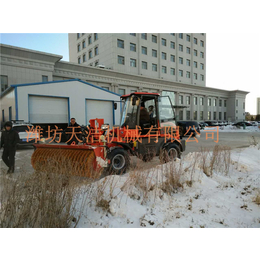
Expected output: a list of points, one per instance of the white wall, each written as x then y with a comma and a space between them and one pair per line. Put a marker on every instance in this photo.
75, 90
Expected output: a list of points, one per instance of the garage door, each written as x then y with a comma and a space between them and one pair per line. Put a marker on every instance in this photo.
48, 110
100, 109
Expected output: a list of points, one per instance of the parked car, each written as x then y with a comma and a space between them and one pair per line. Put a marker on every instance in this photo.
254, 123
212, 123
187, 128
202, 125
242, 124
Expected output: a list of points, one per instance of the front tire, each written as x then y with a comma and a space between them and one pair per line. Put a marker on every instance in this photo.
170, 153
119, 161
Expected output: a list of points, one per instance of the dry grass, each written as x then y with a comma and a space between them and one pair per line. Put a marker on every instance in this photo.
43, 199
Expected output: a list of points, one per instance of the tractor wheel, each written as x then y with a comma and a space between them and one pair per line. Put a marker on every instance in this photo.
170, 153
119, 161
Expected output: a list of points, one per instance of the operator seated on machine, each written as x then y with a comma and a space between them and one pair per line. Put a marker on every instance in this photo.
144, 119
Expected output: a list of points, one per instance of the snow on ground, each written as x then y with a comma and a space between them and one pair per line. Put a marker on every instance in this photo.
141, 198
230, 128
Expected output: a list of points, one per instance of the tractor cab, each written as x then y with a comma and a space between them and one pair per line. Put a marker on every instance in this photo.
147, 110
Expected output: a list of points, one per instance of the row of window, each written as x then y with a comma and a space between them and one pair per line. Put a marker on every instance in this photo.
91, 54
164, 41
201, 101
121, 44
195, 115
89, 37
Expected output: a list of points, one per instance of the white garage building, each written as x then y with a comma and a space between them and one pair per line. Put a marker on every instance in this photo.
57, 101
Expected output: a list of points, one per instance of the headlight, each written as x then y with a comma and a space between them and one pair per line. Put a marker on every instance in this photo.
105, 127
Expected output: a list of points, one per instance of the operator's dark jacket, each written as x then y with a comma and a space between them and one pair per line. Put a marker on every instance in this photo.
9, 139
69, 131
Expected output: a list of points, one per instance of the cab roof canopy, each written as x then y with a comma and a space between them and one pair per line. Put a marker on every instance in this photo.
140, 94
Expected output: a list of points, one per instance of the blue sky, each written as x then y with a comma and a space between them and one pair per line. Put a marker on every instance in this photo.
232, 59
55, 43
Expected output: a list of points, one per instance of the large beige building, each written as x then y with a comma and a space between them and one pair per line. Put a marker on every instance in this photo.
177, 57
19, 66
258, 106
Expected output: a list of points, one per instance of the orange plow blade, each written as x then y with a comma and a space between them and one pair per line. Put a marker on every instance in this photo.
65, 159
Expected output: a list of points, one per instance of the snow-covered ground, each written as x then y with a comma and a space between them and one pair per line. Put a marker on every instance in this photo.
230, 128
225, 198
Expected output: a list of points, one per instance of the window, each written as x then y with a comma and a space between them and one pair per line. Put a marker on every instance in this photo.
154, 38
90, 55
154, 67
195, 64
172, 71
144, 65
154, 53
121, 60
181, 35
201, 77
180, 47
244, 105
188, 38
163, 42
201, 115
121, 91
172, 58
188, 50
144, 36
44, 78
120, 44
201, 101
220, 103
78, 47
214, 115
180, 60
188, 62
4, 83
173, 45
133, 34
195, 101
173, 34
202, 43
132, 62
225, 103
195, 113
188, 100
163, 55
195, 76
209, 115
180, 100
95, 36
144, 50
195, 41
181, 73
187, 115
89, 40
195, 53
215, 102
236, 103
188, 74
79, 60
202, 54
132, 47
201, 66
84, 58
181, 115
96, 51
220, 115
78, 35
83, 44
209, 102
164, 69
225, 115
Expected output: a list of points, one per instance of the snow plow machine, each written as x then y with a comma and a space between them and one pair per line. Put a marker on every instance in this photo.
147, 129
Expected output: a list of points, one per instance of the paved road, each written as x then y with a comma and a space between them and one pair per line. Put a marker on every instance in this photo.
233, 140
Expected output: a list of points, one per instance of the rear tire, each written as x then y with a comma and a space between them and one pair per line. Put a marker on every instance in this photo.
170, 153
119, 161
